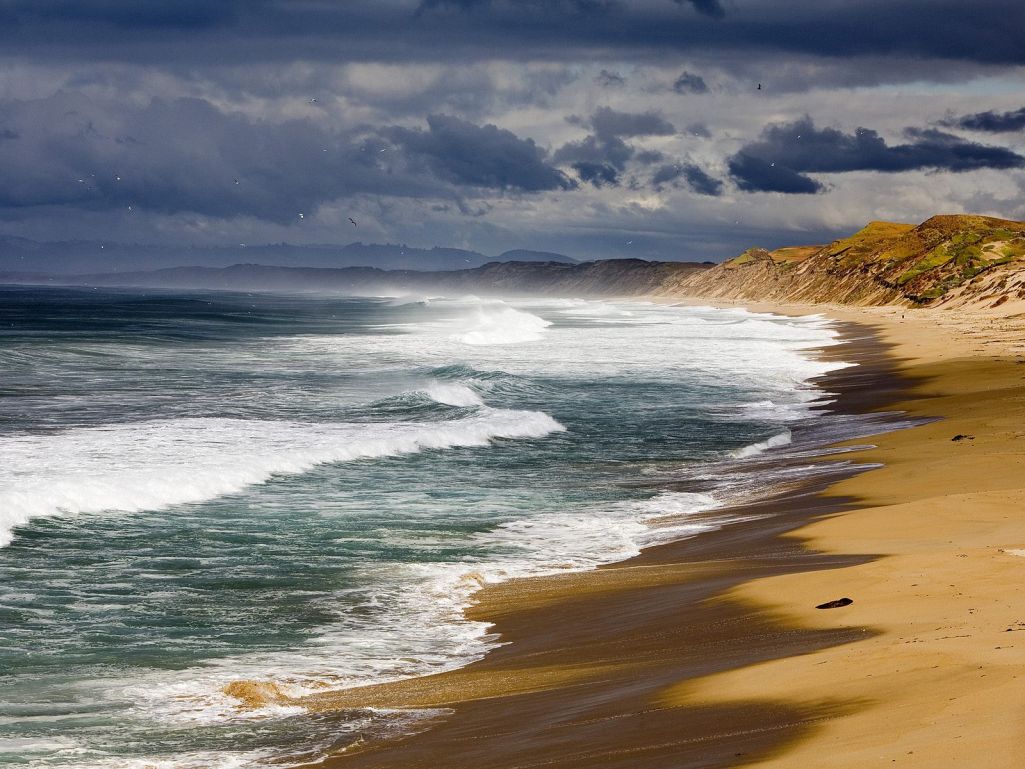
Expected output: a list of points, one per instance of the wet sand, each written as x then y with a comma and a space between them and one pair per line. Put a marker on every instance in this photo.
709, 652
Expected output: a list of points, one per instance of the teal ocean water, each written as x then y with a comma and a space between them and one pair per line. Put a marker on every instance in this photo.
197, 488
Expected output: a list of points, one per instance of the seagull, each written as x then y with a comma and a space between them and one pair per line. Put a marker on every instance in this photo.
117, 178
236, 181
302, 216
129, 208
353, 222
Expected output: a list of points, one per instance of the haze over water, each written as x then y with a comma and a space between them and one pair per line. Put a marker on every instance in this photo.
198, 488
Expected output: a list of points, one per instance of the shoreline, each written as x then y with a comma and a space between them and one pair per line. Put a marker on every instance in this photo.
937, 683
663, 618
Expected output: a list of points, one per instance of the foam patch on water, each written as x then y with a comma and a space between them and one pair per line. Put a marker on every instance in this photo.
784, 438
420, 606
497, 323
156, 464
454, 394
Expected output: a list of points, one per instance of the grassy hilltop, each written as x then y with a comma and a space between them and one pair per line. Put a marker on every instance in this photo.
955, 259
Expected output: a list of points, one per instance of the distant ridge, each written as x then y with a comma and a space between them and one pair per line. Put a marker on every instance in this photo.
612, 277
525, 255
80, 256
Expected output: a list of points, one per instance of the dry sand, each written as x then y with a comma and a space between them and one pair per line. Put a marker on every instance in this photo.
710, 653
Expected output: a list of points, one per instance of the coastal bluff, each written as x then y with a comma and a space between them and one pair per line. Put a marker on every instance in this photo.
946, 261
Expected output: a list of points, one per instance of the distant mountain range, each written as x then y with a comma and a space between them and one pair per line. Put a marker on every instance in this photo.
81, 256
610, 277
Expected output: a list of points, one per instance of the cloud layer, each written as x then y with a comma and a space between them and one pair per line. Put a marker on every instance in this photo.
684, 128
782, 156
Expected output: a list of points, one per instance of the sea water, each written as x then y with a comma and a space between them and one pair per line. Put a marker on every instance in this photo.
200, 488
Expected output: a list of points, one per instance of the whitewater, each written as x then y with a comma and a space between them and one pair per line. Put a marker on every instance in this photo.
200, 488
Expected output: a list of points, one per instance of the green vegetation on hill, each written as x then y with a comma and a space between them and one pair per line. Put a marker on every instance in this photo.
943, 257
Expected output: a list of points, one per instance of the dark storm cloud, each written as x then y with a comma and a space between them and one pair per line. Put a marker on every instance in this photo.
124, 14
701, 182
185, 155
173, 156
593, 149
712, 8
991, 121
233, 31
598, 161
780, 159
600, 158
608, 123
688, 82
648, 157
480, 156
608, 79
597, 174
578, 6
757, 175
694, 176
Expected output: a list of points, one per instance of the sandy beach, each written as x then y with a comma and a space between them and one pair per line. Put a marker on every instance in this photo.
710, 652
937, 682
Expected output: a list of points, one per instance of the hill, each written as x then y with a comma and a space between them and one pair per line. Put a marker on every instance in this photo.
613, 277
947, 260
80, 256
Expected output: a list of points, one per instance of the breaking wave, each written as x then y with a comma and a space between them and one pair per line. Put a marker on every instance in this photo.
152, 465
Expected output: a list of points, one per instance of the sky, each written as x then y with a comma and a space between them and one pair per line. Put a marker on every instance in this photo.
660, 129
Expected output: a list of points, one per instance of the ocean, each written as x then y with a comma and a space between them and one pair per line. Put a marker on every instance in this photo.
198, 488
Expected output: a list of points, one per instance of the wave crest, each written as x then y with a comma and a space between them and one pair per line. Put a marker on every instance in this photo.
500, 324
153, 465
784, 438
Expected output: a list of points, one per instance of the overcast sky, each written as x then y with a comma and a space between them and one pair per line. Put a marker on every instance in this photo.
598, 128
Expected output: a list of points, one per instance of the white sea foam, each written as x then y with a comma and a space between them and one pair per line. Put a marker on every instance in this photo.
781, 439
497, 323
194, 760
152, 465
420, 606
454, 394
598, 310
411, 622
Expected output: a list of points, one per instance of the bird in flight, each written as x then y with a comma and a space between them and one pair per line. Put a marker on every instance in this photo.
302, 216
353, 221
